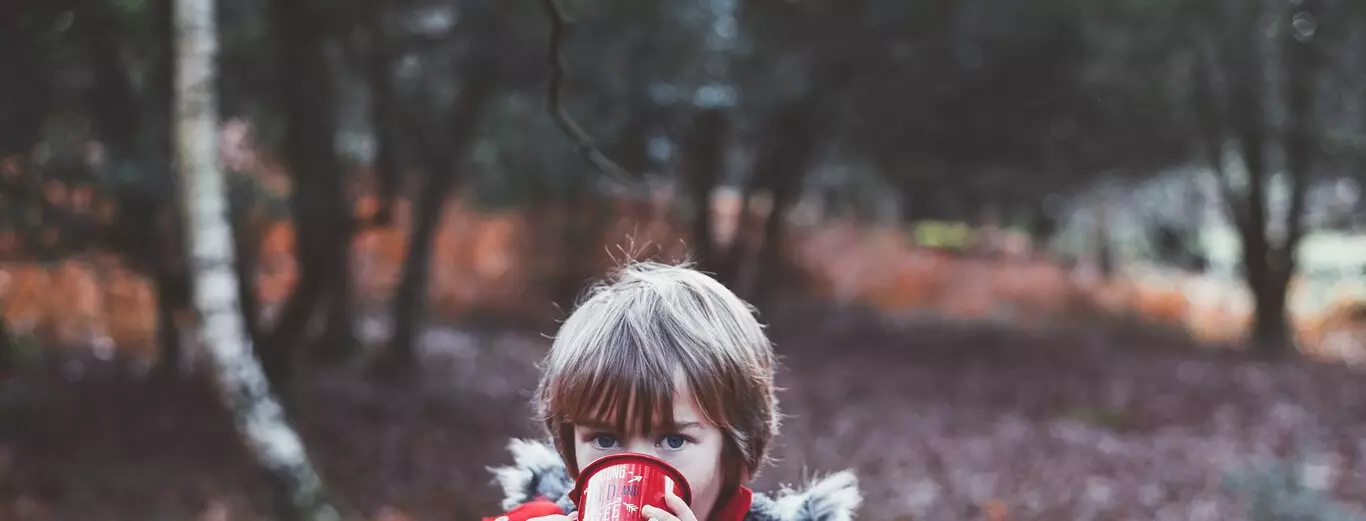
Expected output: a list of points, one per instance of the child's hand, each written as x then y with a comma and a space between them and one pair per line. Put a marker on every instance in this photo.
680, 509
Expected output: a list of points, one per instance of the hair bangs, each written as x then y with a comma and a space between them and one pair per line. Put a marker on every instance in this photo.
643, 338
626, 384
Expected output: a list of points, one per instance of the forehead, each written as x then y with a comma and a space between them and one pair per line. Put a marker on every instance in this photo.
679, 412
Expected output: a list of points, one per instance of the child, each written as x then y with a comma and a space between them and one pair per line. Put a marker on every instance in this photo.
663, 360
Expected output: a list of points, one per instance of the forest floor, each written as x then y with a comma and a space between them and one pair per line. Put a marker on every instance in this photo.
940, 421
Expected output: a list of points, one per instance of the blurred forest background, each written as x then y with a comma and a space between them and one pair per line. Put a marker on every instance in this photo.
1048, 259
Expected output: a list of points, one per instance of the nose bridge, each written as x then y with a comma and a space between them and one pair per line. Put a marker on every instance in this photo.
641, 445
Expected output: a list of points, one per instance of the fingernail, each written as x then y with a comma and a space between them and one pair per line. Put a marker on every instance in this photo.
669, 484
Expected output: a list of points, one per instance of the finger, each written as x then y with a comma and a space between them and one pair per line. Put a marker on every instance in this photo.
677, 505
574, 516
658, 514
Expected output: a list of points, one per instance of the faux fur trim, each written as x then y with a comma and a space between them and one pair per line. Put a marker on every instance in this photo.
538, 471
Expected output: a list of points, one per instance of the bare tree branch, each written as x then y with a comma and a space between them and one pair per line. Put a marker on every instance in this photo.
559, 29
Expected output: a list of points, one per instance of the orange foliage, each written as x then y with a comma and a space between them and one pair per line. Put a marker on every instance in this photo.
1161, 305
81, 197
277, 271
480, 261
499, 261
878, 267
875, 266
9, 241
137, 326
11, 167
23, 290
996, 510
65, 304
377, 256
1337, 334
82, 303
643, 231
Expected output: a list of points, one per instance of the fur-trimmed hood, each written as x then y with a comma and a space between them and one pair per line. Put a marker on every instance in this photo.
538, 471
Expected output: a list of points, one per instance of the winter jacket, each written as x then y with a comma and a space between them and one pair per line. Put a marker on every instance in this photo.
538, 484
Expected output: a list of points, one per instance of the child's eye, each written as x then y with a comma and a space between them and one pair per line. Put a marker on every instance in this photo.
673, 442
604, 441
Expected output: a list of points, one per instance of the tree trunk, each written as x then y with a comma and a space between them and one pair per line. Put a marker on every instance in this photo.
23, 86
292, 322
704, 154
257, 415
781, 168
323, 219
338, 340
732, 261
1260, 271
171, 275
1105, 257
410, 298
1268, 285
383, 106
774, 270
1273, 330
1272, 333
245, 242
7, 354
169, 299
111, 97
1268, 265
442, 164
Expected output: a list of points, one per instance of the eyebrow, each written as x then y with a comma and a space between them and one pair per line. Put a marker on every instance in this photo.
676, 426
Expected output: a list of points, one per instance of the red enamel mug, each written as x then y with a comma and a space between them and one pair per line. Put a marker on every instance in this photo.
616, 487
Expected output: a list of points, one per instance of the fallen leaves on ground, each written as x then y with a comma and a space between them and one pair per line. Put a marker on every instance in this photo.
939, 421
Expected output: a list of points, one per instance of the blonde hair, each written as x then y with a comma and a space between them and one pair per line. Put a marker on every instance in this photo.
618, 355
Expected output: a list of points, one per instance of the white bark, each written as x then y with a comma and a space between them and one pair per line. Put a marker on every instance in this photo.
258, 416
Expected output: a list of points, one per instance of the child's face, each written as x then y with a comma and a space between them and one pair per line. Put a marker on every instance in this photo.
693, 446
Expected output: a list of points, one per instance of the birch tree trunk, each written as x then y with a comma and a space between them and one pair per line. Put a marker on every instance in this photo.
257, 415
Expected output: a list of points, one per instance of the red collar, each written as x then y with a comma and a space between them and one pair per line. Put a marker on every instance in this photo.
736, 507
